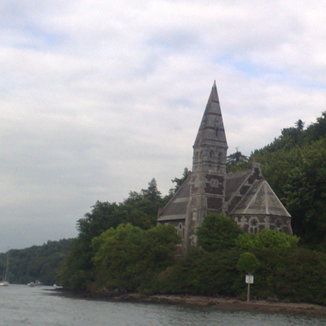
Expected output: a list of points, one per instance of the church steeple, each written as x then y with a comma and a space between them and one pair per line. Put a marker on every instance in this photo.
207, 183
210, 145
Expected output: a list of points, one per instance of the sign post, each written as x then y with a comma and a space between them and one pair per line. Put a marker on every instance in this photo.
249, 280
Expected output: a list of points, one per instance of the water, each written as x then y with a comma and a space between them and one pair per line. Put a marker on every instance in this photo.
23, 306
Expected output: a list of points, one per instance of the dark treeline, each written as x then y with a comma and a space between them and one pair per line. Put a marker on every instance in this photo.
35, 263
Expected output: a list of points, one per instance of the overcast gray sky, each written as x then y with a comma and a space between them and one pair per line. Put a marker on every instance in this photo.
98, 97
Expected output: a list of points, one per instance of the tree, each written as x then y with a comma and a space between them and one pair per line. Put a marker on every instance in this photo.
236, 162
76, 271
266, 239
248, 263
128, 257
139, 209
202, 272
179, 181
299, 125
295, 166
236, 158
152, 192
218, 232
103, 215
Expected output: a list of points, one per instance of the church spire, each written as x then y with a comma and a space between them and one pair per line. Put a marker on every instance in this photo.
211, 126
210, 144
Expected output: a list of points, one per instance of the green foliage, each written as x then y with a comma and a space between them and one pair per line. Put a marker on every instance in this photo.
202, 273
237, 162
218, 232
36, 263
76, 271
152, 192
295, 166
103, 216
248, 263
129, 257
266, 239
178, 182
139, 209
296, 275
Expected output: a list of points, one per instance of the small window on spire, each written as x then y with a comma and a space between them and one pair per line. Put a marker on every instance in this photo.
216, 131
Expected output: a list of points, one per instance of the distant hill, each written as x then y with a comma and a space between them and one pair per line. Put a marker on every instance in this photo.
36, 262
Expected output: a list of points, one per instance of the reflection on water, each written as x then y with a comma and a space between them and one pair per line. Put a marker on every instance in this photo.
22, 306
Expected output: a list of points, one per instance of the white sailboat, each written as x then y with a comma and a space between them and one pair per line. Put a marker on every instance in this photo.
5, 277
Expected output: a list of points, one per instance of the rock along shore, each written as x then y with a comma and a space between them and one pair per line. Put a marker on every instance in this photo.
218, 303
311, 310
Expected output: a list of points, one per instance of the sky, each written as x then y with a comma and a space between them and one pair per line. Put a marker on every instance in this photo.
98, 97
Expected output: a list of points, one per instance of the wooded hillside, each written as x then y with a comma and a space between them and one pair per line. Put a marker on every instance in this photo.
35, 263
295, 166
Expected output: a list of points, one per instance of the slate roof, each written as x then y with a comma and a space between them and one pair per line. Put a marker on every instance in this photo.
176, 208
261, 200
234, 181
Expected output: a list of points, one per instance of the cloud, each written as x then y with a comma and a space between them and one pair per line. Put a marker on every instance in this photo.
97, 97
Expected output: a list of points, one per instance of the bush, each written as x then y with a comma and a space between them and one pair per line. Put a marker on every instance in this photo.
129, 258
202, 273
218, 232
267, 239
296, 275
247, 263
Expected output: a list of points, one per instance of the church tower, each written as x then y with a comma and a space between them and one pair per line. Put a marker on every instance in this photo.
207, 183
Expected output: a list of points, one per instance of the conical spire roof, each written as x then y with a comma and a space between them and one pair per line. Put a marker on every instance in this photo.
211, 128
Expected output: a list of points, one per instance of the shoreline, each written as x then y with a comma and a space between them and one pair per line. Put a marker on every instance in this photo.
214, 303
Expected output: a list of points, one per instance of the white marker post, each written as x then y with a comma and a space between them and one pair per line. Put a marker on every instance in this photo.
249, 280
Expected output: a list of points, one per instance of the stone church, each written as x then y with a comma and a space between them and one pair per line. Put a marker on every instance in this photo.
245, 196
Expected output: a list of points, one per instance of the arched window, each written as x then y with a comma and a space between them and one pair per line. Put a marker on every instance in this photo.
214, 182
180, 230
253, 225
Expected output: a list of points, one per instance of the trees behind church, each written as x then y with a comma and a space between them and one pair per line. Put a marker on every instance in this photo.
295, 166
